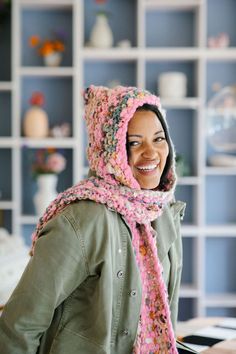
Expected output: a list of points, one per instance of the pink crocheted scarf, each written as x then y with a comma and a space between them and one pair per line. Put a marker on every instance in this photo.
107, 113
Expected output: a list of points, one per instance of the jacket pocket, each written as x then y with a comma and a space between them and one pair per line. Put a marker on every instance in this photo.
70, 343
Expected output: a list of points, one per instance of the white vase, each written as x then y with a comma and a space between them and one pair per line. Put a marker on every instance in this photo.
35, 124
46, 192
53, 59
101, 35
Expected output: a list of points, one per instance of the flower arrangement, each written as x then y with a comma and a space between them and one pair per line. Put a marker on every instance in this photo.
48, 161
37, 99
48, 46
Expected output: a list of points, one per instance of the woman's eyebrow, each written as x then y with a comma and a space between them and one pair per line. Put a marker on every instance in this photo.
136, 135
159, 131
140, 136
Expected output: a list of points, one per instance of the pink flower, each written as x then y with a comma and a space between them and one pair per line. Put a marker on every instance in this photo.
56, 163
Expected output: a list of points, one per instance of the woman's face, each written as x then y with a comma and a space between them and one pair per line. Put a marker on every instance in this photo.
147, 148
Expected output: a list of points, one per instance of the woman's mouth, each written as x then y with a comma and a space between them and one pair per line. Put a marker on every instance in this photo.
147, 169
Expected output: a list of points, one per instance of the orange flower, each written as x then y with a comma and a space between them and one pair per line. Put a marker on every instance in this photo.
51, 150
46, 49
34, 41
59, 46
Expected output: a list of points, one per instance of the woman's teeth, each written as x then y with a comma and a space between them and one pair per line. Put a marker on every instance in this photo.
146, 168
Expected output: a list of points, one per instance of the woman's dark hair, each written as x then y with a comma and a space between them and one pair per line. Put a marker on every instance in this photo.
169, 160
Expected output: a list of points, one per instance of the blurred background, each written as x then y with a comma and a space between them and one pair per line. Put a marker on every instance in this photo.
182, 50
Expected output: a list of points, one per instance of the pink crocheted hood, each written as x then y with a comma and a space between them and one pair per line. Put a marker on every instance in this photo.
107, 113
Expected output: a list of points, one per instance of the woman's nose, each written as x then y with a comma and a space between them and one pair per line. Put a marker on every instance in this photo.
149, 152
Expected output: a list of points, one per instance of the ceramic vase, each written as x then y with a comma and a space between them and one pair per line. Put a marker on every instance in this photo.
101, 34
53, 59
35, 123
46, 192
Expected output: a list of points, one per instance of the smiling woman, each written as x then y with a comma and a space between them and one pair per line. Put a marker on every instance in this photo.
147, 148
106, 255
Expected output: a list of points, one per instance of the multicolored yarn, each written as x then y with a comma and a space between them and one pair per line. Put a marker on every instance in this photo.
107, 113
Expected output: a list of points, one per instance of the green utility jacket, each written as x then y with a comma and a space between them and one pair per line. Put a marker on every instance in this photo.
81, 291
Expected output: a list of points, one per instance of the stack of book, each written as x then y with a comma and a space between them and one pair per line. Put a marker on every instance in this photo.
208, 336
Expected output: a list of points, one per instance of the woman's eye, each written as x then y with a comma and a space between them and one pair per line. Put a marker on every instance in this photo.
160, 138
133, 143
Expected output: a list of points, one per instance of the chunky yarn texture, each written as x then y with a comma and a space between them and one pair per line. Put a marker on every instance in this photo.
107, 113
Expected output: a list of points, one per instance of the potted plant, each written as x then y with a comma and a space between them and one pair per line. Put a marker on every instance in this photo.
46, 166
50, 49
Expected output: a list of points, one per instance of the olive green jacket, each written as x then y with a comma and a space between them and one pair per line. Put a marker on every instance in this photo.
81, 291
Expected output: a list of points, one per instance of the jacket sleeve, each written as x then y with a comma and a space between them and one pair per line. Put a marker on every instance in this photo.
176, 262
56, 269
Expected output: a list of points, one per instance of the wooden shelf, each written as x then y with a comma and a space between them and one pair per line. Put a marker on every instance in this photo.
220, 300
7, 204
221, 230
46, 71
189, 291
49, 142
172, 4
220, 171
184, 103
29, 219
6, 86
48, 4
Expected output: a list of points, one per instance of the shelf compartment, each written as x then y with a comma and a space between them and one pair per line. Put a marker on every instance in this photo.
166, 27
122, 26
58, 95
6, 219
220, 264
221, 72
29, 187
187, 195
178, 121
223, 10
221, 311
44, 21
187, 308
107, 73
5, 114
220, 196
26, 232
5, 50
189, 261
6, 177
155, 68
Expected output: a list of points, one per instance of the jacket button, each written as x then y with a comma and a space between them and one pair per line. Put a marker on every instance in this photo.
120, 274
133, 293
125, 332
